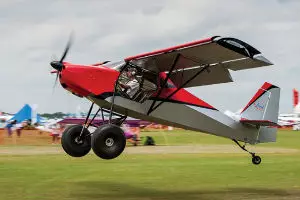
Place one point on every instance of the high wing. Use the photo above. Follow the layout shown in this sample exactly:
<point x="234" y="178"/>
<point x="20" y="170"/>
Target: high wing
<point x="210" y="59"/>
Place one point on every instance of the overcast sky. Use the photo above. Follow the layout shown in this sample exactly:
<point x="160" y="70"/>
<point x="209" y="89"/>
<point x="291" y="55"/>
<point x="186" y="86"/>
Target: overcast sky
<point x="31" y="32"/>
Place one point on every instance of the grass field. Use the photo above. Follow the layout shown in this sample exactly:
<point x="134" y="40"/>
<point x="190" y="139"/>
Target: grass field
<point x="155" y="176"/>
<point x="285" y="138"/>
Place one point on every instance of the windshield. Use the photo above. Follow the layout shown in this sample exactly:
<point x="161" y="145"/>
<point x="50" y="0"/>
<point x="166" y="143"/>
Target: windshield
<point x="115" y="65"/>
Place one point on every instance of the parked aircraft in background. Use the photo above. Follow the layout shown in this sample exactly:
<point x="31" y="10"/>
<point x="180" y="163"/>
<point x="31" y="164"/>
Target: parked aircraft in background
<point x="4" y="118"/>
<point x="292" y="119"/>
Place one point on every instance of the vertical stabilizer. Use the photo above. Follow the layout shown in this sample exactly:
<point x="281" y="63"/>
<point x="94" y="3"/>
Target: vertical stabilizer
<point x="264" y="105"/>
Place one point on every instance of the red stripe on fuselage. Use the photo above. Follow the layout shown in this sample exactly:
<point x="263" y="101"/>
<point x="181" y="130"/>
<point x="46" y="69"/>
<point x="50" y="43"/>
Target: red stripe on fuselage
<point x="181" y="96"/>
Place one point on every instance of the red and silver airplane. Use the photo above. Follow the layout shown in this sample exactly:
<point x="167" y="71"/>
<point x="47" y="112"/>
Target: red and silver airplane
<point x="151" y="86"/>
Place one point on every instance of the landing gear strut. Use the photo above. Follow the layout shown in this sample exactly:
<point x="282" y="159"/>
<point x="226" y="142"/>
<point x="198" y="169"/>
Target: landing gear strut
<point x="107" y="141"/>
<point x="256" y="160"/>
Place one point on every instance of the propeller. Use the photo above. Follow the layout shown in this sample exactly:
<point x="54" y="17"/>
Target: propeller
<point x="58" y="65"/>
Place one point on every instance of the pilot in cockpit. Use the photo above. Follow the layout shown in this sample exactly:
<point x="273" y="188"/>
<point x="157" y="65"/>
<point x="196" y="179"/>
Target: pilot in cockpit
<point x="132" y="86"/>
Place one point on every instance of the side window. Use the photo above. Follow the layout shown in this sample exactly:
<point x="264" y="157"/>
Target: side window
<point x="136" y="85"/>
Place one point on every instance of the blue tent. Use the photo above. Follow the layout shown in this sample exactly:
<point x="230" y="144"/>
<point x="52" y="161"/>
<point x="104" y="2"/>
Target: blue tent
<point x="25" y="114"/>
<point x="38" y="118"/>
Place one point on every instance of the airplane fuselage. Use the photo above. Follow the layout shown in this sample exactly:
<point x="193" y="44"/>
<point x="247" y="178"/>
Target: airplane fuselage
<point x="183" y="109"/>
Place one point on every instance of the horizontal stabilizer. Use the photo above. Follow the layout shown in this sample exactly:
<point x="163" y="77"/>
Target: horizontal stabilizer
<point x="259" y="122"/>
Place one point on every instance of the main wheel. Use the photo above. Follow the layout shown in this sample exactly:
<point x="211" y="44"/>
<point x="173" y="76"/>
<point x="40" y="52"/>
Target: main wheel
<point x="108" y="141"/>
<point x="256" y="160"/>
<point x="72" y="144"/>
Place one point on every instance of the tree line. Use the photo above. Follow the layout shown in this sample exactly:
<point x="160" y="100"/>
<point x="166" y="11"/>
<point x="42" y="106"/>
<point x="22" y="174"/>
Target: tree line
<point x="53" y="115"/>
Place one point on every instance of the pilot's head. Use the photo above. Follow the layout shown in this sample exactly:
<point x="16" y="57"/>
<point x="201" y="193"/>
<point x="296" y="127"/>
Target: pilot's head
<point x="131" y="73"/>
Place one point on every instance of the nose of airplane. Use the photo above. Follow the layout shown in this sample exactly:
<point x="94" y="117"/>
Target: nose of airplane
<point x="57" y="65"/>
<point x="70" y="77"/>
<point x="84" y="80"/>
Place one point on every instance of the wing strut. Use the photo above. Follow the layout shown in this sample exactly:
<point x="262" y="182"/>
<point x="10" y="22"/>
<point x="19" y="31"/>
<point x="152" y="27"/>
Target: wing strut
<point x="164" y="84"/>
<point x="152" y="108"/>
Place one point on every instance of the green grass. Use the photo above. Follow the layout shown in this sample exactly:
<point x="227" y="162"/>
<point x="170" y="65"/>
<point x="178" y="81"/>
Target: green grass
<point x="179" y="137"/>
<point x="288" y="139"/>
<point x="285" y="139"/>
<point x="150" y="176"/>
<point x="163" y="176"/>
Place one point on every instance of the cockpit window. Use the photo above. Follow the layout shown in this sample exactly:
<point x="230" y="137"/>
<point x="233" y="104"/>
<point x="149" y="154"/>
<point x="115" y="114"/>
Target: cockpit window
<point x="115" y="65"/>
<point x="136" y="84"/>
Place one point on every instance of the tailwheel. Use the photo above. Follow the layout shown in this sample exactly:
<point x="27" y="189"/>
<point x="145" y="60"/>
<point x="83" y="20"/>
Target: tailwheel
<point x="256" y="160"/>
<point x="108" y="141"/>
<point x="76" y="141"/>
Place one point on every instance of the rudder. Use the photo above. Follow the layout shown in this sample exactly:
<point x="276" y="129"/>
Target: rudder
<point x="263" y="108"/>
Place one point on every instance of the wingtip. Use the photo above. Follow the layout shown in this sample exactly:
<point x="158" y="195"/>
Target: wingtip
<point x="261" y="58"/>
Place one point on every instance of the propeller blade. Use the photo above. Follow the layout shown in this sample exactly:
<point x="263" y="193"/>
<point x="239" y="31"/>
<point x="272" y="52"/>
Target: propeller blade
<point x="58" y="65"/>
<point x="55" y="83"/>
<point x="67" y="48"/>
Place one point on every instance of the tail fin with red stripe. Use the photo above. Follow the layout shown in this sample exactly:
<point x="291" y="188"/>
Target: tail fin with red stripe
<point x="262" y="109"/>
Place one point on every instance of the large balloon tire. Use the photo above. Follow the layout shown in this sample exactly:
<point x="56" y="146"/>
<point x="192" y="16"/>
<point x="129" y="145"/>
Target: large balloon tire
<point x="108" y="141"/>
<point x="70" y="143"/>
